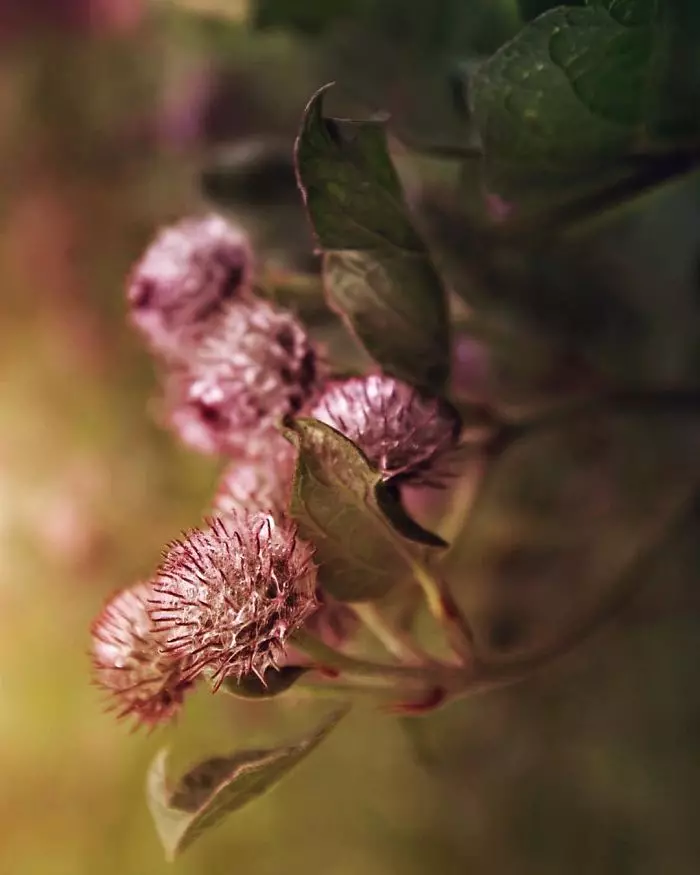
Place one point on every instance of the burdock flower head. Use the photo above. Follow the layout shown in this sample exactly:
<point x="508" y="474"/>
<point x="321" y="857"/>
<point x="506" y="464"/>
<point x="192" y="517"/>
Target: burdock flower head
<point x="260" y="480"/>
<point x="184" y="278"/>
<point x="399" y="429"/>
<point x="228" y="596"/>
<point x="256" y="367"/>
<point x="128" y="662"/>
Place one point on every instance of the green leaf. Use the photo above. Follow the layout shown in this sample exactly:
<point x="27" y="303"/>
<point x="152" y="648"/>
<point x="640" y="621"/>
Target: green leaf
<point x="218" y="786"/>
<point x="400" y="331"/>
<point x="568" y="95"/>
<point x="277" y="681"/>
<point x="563" y="514"/>
<point x="378" y="272"/>
<point x="388" y="498"/>
<point x="361" y="557"/>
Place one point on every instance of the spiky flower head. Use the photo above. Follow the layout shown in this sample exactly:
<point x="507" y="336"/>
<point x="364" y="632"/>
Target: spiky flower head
<point x="260" y="480"/>
<point x="257" y="367"/>
<point x="399" y="429"/>
<point x="334" y="623"/>
<point x="128" y="662"/>
<point x="229" y="595"/>
<point x="184" y="278"/>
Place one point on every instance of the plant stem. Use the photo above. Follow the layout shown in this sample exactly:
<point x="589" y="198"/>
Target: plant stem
<point x="395" y="641"/>
<point x="455" y="681"/>
<point x="440" y="601"/>
<point x="446" y="611"/>
<point x="382" y="674"/>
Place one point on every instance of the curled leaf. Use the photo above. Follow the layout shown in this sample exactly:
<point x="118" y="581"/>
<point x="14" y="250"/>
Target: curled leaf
<point x="360" y="553"/>
<point x="216" y="787"/>
<point x="378" y="273"/>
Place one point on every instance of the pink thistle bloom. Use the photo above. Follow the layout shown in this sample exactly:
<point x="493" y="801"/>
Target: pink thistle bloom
<point x="128" y="662"/>
<point x="184" y="278"/>
<point x="400" y="430"/>
<point x="257" y="367"/>
<point x="260" y="480"/>
<point x="228" y="596"/>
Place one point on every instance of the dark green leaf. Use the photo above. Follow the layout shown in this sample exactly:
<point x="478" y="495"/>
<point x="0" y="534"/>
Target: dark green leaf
<point x="219" y="786"/>
<point x="276" y="682"/>
<point x="561" y="517"/>
<point x="380" y="293"/>
<point x="388" y="498"/>
<point x="361" y="557"/>
<point x="378" y="272"/>
<point x="567" y="96"/>
<point x="352" y="191"/>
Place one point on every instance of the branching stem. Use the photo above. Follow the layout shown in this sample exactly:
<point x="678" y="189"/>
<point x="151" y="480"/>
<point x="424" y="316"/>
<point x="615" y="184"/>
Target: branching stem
<point x="395" y="641"/>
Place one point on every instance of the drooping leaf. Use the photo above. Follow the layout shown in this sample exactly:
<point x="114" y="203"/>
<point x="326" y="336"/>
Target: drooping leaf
<point x="561" y="517"/>
<point x="388" y="498"/>
<point x="277" y="681"/>
<point x="567" y="96"/>
<point x="216" y="787"/>
<point x="361" y="556"/>
<point x="378" y="272"/>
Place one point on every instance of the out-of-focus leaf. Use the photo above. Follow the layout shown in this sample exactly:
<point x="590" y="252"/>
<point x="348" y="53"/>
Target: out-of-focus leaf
<point x="361" y="557"/>
<point x="300" y="292"/>
<point x="566" y="96"/>
<point x="378" y="273"/>
<point x="218" y="786"/>
<point x="530" y="9"/>
<point x="674" y="108"/>
<point x="309" y="17"/>
<point x="562" y="515"/>
<point x="251" y="172"/>
<point x="552" y="313"/>
<point x="277" y="681"/>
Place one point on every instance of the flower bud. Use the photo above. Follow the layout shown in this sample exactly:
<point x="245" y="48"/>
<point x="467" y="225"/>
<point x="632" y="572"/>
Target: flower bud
<point x="257" y="367"/>
<point x="260" y="480"/>
<point x="184" y="278"/>
<point x="400" y="430"/>
<point x="128" y="662"/>
<point x="229" y="595"/>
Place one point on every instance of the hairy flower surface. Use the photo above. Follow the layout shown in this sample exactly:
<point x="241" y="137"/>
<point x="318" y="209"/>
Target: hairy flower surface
<point x="256" y="367"/>
<point x="128" y="662"/>
<point x="400" y="430"/>
<point x="260" y="480"/>
<point x="229" y="595"/>
<point x="183" y="280"/>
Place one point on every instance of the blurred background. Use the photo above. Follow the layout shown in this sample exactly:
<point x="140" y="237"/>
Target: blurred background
<point x="109" y="109"/>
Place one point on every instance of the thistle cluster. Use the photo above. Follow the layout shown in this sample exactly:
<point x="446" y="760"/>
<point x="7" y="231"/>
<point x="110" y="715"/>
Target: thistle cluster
<point x="228" y="596"/>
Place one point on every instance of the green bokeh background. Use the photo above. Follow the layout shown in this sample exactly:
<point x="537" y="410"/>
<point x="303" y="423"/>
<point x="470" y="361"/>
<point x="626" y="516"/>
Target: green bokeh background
<point x="591" y="768"/>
